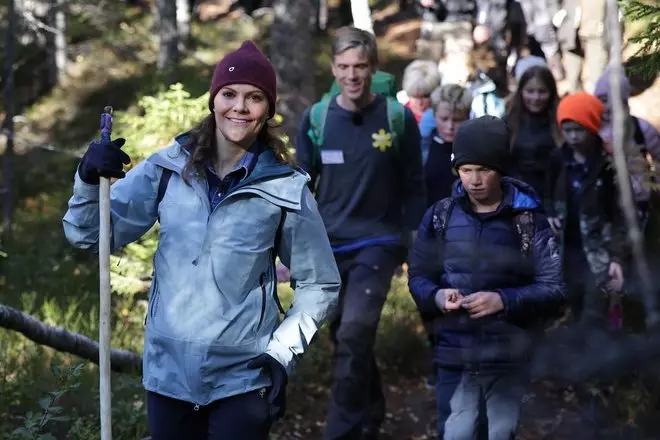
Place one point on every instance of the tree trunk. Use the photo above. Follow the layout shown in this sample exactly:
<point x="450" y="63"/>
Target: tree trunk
<point x="57" y="41"/>
<point x="9" y="118"/>
<point x="292" y="53"/>
<point x="60" y="339"/>
<point x="362" y="15"/>
<point x="183" y="22"/>
<point x="322" y="16"/>
<point x="168" y="54"/>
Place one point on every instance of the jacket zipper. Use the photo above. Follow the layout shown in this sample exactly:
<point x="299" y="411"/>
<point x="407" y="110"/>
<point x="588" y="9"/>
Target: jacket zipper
<point x="262" y="284"/>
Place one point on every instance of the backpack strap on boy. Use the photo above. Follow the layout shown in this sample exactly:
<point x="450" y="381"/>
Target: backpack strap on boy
<point x="525" y="228"/>
<point x="523" y="221"/>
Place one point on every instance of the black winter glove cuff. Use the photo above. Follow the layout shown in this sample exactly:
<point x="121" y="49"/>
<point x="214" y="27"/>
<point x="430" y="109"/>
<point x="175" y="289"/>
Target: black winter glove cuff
<point x="279" y="378"/>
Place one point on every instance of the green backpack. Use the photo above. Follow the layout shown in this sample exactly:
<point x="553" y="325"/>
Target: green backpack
<point x="382" y="83"/>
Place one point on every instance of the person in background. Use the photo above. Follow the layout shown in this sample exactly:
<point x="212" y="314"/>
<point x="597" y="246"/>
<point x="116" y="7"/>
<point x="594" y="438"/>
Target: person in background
<point x="447" y="24"/>
<point x="531" y="117"/>
<point x="420" y="78"/>
<point x="452" y="108"/>
<point x="584" y="211"/>
<point x="582" y="35"/>
<point x="486" y="265"/>
<point x="642" y="149"/>
<point x="642" y="140"/>
<point x="541" y="34"/>
<point x="369" y="185"/>
<point x="489" y="84"/>
<point x="217" y="354"/>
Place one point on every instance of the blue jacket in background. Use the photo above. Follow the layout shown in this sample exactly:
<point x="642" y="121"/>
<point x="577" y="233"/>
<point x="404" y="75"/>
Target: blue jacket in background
<point x="482" y="253"/>
<point x="212" y="304"/>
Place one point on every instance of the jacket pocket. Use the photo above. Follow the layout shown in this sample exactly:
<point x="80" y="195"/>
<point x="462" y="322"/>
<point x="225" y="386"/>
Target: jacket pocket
<point x="262" y="284"/>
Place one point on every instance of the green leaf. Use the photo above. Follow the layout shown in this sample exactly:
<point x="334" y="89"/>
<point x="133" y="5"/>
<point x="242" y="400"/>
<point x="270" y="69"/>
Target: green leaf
<point x="46" y="437"/>
<point x="57" y="394"/>
<point x="22" y="431"/>
<point x="45" y="402"/>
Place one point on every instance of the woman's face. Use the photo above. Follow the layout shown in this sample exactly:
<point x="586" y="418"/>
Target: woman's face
<point x="240" y="111"/>
<point x="535" y="96"/>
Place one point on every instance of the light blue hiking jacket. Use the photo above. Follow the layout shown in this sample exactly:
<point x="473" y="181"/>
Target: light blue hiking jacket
<point x="213" y="304"/>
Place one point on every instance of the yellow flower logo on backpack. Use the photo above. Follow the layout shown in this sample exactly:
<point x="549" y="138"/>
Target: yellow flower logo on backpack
<point x="382" y="140"/>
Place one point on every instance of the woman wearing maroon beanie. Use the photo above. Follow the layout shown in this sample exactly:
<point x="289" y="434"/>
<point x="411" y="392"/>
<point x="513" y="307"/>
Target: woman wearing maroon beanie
<point x="217" y="354"/>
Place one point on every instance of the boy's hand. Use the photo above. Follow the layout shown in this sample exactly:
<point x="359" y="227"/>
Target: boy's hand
<point x="555" y="224"/>
<point x="480" y="34"/>
<point x="448" y="300"/>
<point x="616" y="277"/>
<point x="482" y="304"/>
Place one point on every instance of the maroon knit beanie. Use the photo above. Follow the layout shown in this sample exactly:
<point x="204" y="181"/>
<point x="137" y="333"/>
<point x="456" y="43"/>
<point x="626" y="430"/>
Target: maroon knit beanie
<point x="246" y="65"/>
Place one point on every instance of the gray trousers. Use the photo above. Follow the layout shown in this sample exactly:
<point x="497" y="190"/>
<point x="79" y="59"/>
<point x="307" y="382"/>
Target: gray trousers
<point x="479" y="406"/>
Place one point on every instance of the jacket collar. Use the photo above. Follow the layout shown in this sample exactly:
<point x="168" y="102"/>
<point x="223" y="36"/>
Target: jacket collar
<point x="277" y="181"/>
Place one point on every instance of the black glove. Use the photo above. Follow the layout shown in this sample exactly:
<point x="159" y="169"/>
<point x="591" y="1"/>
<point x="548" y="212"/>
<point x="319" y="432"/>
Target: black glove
<point x="103" y="159"/>
<point x="277" y="395"/>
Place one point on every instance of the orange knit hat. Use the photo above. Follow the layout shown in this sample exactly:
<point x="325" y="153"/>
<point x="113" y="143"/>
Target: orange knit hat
<point x="583" y="108"/>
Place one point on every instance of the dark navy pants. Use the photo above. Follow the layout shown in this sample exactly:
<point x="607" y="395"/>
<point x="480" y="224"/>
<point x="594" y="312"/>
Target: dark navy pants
<point x="245" y="417"/>
<point x="357" y="401"/>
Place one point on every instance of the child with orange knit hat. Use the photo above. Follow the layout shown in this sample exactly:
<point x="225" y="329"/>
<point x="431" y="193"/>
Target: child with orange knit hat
<point x="584" y="210"/>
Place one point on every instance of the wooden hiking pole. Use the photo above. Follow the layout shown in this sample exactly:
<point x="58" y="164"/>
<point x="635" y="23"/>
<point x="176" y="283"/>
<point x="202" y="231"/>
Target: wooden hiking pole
<point x="104" y="290"/>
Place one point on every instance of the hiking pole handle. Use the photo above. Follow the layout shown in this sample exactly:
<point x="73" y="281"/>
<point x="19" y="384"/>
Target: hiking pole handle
<point x="104" y="291"/>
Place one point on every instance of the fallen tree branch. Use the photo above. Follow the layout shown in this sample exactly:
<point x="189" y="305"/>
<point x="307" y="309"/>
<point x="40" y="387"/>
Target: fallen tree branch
<point x="61" y="339"/>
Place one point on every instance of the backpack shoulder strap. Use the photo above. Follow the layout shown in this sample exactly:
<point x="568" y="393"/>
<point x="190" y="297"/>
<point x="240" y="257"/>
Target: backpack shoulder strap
<point x="396" y="118"/>
<point x="525" y="228"/>
<point x="162" y="184"/>
<point x="441" y="213"/>
<point x="317" y="116"/>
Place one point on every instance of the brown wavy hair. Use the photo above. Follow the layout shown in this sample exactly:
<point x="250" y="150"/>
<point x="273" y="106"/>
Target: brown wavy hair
<point x="516" y="107"/>
<point x="201" y="144"/>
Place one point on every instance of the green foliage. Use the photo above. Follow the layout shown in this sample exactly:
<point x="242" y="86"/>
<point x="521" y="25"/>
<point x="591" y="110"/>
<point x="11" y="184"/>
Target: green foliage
<point x="646" y="60"/>
<point x="152" y="126"/>
<point x="162" y="116"/>
<point x="36" y="425"/>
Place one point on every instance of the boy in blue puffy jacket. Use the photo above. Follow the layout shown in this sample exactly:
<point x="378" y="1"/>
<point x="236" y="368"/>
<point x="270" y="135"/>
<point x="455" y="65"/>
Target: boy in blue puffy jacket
<point x="486" y="264"/>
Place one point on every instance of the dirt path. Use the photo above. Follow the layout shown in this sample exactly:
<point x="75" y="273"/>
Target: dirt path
<point x="548" y="413"/>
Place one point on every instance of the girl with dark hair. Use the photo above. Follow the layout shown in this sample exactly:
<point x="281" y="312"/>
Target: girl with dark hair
<point x="228" y="201"/>
<point x="533" y="127"/>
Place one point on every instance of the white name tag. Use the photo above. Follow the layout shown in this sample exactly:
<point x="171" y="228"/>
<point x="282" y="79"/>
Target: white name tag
<point x="332" y="157"/>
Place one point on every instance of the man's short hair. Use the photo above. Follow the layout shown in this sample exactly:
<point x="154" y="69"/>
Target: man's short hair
<point x="350" y="37"/>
